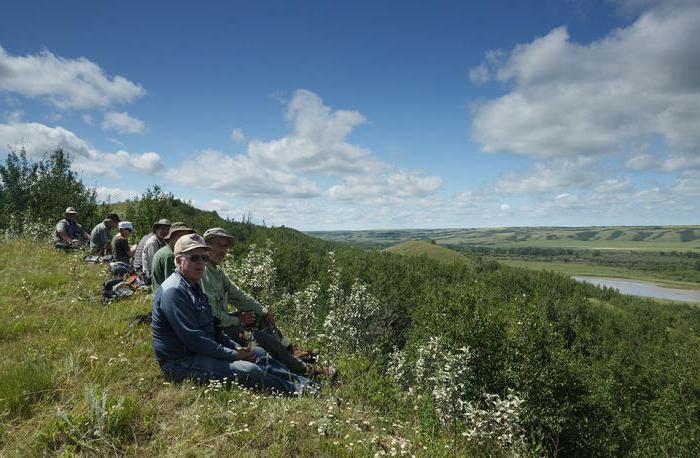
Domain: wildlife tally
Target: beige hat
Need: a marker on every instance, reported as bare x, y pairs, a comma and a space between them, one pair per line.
217, 232
179, 227
162, 222
189, 242
70, 211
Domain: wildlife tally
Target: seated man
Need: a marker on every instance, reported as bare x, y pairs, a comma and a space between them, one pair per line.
221, 291
142, 265
121, 250
100, 237
187, 343
164, 259
69, 234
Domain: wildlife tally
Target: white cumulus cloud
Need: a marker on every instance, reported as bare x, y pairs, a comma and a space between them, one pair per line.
105, 193
239, 175
318, 142
552, 175
569, 98
237, 135
123, 123
401, 184
38, 139
149, 162
670, 163
316, 151
66, 83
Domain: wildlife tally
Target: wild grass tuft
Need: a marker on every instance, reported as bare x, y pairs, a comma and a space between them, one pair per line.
24, 383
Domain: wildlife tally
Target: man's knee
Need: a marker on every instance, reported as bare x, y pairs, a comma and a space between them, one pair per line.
246, 368
248, 373
260, 352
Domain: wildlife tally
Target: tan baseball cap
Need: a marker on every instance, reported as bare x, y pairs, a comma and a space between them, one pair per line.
217, 232
179, 227
189, 242
70, 211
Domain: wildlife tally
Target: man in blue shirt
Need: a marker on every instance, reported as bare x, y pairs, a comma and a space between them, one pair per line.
188, 345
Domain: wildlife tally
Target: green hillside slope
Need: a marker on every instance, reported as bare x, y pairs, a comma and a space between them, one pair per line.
432, 251
598, 373
656, 238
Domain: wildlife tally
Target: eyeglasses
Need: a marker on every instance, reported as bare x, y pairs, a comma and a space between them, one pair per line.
197, 257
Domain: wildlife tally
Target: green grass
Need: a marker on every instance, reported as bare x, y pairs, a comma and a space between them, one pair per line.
420, 248
75, 378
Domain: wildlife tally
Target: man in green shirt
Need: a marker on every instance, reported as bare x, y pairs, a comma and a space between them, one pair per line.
101, 237
221, 291
164, 260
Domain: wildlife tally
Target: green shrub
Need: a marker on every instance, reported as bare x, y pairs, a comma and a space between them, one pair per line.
33, 195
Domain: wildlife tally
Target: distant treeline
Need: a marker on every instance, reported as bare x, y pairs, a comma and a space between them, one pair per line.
546, 251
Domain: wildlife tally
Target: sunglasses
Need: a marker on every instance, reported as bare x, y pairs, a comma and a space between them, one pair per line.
197, 257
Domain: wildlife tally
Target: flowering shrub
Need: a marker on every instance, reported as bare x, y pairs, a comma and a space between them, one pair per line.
307, 309
255, 272
24, 227
400, 370
495, 420
447, 377
354, 320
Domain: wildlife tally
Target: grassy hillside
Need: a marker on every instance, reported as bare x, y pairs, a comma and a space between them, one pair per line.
438, 358
656, 238
76, 377
420, 248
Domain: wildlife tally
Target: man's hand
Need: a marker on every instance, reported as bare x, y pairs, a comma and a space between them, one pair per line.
247, 319
246, 355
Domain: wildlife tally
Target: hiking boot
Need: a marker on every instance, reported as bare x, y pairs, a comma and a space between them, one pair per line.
329, 371
307, 356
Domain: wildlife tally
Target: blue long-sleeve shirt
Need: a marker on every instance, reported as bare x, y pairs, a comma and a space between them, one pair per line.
183, 324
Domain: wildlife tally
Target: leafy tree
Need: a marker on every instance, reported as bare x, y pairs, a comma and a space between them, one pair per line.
36, 193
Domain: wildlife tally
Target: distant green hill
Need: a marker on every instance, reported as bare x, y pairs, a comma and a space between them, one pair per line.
649, 238
420, 248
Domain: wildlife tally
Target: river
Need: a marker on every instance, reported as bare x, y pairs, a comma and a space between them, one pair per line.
643, 288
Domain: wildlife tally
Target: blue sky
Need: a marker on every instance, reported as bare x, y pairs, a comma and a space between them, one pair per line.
357, 115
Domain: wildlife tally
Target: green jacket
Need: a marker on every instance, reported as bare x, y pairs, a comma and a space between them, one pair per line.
163, 266
221, 291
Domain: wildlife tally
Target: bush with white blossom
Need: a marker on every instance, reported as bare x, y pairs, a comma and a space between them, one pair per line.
255, 272
447, 377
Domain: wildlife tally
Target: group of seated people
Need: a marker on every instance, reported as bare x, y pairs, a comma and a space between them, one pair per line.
195, 336
71, 235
